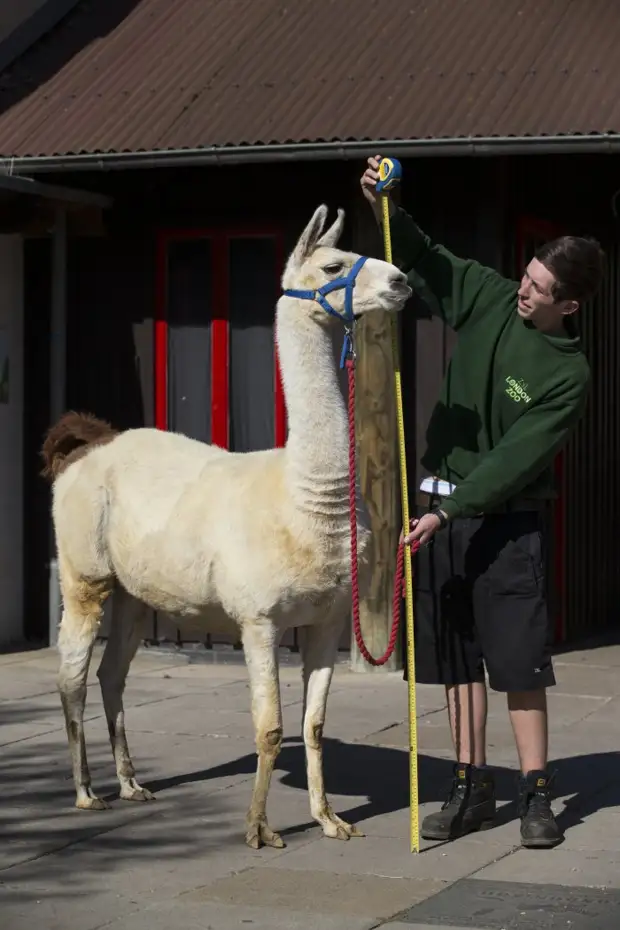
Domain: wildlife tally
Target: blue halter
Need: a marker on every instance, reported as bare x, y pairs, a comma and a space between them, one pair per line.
348, 318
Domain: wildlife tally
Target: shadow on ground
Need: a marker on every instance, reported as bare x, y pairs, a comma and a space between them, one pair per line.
382, 775
189, 822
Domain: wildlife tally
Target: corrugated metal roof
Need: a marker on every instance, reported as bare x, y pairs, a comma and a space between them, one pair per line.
140, 75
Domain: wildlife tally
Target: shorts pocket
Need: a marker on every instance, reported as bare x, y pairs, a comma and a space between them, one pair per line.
519, 569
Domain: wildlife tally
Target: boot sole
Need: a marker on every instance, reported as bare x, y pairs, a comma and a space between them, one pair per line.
541, 843
442, 835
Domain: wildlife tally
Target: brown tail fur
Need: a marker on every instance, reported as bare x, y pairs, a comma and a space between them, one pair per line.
72, 437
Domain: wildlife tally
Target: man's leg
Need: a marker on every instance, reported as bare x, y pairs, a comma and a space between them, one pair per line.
528, 716
448, 653
467, 707
513, 625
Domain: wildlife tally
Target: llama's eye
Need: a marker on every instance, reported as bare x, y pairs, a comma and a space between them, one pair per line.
334, 268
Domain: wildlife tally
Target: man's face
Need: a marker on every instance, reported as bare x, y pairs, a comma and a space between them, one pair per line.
536, 302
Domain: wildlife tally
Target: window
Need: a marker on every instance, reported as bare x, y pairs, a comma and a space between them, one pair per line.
217, 377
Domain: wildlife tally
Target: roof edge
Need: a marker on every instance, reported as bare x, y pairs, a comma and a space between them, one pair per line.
20, 184
315, 151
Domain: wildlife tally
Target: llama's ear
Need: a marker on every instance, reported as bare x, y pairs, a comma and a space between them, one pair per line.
331, 237
307, 242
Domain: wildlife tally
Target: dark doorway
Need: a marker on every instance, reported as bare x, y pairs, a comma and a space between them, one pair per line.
37, 539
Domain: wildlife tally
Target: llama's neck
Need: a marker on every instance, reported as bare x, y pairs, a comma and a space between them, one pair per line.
318, 440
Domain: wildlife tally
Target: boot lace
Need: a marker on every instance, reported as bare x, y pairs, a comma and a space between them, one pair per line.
537, 802
458, 793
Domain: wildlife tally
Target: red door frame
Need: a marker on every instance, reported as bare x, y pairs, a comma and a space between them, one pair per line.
530, 227
220, 408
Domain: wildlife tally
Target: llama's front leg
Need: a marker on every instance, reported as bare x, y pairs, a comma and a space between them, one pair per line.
319, 646
260, 648
125, 632
76, 638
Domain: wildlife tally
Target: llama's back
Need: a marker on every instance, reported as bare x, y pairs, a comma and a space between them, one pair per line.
151, 475
168, 508
194, 530
153, 463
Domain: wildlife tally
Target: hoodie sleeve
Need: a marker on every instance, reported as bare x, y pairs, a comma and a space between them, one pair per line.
458, 285
528, 447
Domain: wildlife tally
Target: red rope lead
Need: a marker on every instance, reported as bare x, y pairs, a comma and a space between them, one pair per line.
400, 558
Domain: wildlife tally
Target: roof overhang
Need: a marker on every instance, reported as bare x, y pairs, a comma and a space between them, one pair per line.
598, 143
18, 184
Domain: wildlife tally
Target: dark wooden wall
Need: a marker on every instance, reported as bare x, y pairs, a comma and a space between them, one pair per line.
470, 205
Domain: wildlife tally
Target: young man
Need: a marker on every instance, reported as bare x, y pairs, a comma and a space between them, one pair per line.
514, 391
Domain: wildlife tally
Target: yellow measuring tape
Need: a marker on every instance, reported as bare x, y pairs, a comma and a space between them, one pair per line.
385, 167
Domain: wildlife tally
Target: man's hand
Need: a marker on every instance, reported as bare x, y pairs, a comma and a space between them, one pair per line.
368, 183
369, 180
422, 530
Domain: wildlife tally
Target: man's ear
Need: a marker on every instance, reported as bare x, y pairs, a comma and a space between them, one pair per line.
571, 306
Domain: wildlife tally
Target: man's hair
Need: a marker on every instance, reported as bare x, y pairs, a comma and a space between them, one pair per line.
577, 265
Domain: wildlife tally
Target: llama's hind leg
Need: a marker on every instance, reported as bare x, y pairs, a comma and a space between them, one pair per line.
260, 646
82, 611
128, 616
318, 647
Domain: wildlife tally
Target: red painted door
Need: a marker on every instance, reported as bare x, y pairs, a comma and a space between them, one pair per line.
216, 370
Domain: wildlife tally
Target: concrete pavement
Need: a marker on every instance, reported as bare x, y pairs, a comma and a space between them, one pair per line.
181, 860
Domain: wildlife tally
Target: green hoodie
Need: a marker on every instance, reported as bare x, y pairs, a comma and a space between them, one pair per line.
511, 396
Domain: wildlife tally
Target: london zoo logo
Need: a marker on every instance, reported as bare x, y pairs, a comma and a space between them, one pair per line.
516, 391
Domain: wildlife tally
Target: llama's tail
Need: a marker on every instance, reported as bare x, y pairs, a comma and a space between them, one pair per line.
70, 438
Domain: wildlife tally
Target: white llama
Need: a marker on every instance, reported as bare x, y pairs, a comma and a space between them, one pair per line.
259, 540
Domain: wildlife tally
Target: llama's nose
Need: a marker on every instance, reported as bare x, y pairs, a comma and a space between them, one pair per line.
398, 277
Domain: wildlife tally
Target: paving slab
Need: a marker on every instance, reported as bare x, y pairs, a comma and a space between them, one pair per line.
606, 712
383, 856
18, 681
335, 893
556, 867
42, 713
400, 925
182, 859
579, 679
607, 656
195, 916
492, 905
27, 836
395, 825
111, 876
596, 833
17, 731
87, 914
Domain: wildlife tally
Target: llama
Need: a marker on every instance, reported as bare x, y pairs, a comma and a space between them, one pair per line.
257, 540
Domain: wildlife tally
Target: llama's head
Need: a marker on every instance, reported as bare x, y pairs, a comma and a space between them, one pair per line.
316, 261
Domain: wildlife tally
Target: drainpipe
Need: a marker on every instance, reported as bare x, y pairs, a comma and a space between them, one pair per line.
58, 376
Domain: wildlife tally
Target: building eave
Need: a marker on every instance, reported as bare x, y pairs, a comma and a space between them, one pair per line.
493, 146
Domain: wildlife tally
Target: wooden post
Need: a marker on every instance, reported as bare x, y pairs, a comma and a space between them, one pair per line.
377, 456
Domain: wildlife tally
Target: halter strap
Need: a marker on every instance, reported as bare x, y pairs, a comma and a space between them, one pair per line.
347, 282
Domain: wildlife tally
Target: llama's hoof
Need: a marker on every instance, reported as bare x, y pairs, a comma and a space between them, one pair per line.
259, 835
132, 791
91, 803
336, 829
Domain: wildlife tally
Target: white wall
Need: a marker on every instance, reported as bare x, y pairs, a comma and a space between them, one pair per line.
11, 441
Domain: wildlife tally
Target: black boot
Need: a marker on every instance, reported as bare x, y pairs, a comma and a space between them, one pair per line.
539, 828
470, 805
